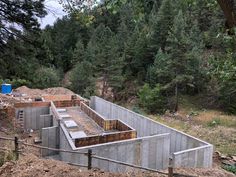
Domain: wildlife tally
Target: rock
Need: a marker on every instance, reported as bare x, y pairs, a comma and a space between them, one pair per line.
228, 162
46, 170
234, 158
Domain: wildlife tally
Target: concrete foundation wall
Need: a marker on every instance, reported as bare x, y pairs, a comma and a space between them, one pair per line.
32, 118
144, 126
67, 143
196, 157
50, 138
45, 121
152, 152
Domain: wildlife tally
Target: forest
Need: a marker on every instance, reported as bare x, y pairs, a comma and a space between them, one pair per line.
152, 50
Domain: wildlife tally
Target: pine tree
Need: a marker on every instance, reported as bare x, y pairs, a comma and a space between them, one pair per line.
178, 43
79, 52
160, 72
103, 51
82, 79
161, 22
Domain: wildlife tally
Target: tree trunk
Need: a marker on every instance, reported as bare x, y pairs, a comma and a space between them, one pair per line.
104, 85
228, 7
176, 98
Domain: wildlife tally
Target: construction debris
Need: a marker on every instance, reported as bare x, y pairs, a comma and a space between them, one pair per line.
25, 94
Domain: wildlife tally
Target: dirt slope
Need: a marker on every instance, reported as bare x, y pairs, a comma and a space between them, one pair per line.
31, 166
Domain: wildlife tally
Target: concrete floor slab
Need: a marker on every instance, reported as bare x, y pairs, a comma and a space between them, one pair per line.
70, 124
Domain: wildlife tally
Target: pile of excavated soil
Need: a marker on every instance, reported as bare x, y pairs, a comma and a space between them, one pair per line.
6, 100
49, 91
58, 91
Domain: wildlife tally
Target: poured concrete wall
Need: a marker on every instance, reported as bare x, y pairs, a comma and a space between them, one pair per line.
144, 126
151, 152
152, 149
32, 116
50, 138
67, 143
44, 121
196, 157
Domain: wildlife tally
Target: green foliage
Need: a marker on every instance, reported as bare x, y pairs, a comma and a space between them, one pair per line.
230, 168
222, 122
104, 54
224, 71
125, 44
45, 77
82, 79
23, 13
161, 22
152, 99
159, 72
137, 110
6, 157
215, 122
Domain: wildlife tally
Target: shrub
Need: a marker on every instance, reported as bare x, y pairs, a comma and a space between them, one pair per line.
45, 77
152, 99
230, 168
215, 122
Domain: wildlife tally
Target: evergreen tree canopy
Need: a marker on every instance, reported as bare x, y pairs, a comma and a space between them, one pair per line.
17, 14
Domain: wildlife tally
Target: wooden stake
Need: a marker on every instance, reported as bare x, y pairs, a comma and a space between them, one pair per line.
16, 147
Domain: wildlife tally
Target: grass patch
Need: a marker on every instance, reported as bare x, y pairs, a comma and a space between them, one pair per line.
6, 156
222, 121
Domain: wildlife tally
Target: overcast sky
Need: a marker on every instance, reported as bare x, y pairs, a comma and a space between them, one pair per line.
54, 10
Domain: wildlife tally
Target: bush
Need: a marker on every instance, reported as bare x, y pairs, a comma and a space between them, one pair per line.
45, 77
215, 122
230, 168
151, 99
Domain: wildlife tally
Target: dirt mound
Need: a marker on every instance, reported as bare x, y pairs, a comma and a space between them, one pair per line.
6, 100
28, 91
203, 172
58, 91
30, 165
37, 92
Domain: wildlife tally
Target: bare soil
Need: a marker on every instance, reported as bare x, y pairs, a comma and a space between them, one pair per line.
6, 100
30, 165
49, 91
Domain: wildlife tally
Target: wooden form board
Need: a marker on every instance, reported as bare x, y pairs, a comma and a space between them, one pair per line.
105, 123
100, 139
